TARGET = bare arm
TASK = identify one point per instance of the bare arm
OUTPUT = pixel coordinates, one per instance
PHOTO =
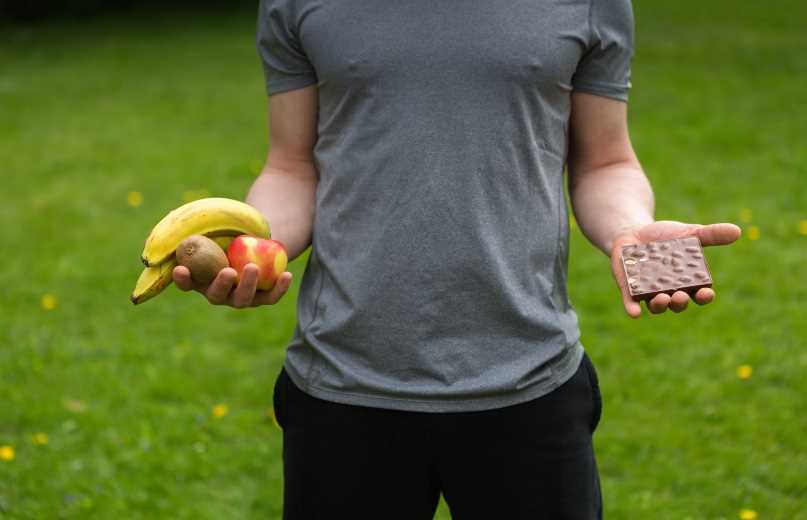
(613, 201)
(283, 192)
(609, 190)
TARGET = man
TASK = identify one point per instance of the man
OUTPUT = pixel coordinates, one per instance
(419, 148)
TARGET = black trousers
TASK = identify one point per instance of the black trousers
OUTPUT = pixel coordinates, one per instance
(528, 461)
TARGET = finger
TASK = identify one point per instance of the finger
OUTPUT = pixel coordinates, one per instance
(182, 278)
(659, 303)
(273, 296)
(633, 308)
(679, 301)
(245, 291)
(718, 234)
(220, 288)
(704, 296)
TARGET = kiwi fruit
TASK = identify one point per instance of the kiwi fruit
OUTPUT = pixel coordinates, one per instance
(203, 257)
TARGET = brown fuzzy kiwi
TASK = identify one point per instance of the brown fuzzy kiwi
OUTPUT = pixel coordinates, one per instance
(203, 257)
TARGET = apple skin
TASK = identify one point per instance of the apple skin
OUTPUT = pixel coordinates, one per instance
(269, 255)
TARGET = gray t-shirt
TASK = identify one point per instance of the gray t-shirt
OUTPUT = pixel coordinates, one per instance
(437, 276)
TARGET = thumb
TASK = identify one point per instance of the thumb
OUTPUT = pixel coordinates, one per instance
(632, 308)
(182, 278)
(718, 234)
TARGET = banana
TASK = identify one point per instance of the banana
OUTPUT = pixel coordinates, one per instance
(224, 241)
(214, 216)
(152, 281)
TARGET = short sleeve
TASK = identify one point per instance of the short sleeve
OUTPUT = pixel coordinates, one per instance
(285, 64)
(605, 68)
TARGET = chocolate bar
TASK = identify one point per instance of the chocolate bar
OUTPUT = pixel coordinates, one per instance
(665, 266)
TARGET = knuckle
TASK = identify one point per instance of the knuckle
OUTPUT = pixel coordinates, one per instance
(213, 299)
(270, 299)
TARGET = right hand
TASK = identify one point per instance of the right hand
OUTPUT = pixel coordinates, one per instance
(245, 294)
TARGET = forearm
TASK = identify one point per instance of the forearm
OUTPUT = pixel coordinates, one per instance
(286, 196)
(609, 200)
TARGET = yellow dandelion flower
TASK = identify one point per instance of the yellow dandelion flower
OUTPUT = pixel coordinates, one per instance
(271, 413)
(745, 215)
(744, 371)
(40, 439)
(572, 224)
(748, 514)
(753, 233)
(803, 227)
(134, 198)
(220, 410)
(7, 453)
(48, 302)
(191, 195)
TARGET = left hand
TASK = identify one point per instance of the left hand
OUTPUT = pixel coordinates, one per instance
(709, 235)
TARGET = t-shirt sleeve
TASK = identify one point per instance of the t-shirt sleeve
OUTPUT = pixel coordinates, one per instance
(605, 68)
(285, 64)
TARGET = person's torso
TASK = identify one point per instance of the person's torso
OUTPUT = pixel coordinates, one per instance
(438, 267)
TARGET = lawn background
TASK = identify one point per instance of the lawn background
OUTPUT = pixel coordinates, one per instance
(164, 411)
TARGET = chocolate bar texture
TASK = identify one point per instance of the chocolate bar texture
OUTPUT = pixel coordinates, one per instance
(665, 266)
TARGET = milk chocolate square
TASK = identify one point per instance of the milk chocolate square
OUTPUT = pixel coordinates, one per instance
(665, 266)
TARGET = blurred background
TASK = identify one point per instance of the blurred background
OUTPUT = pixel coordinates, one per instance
(113, 113)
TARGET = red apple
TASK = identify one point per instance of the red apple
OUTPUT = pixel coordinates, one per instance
(269, 255)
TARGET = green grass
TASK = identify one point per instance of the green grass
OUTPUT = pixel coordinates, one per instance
(165, 105)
